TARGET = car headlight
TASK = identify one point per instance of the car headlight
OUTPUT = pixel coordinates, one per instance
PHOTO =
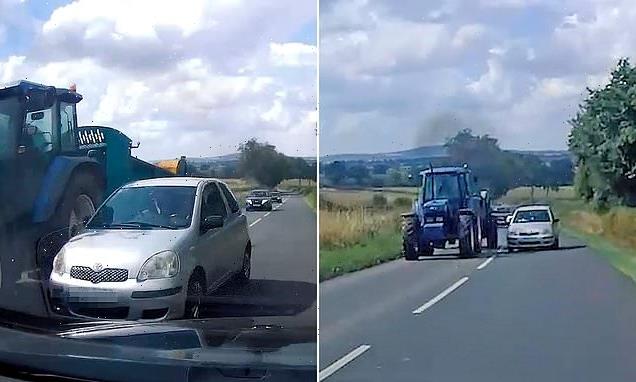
(546, 231)
(59, 265)
(159, 266)
(249, 201)
(439, 219)
(513, 232)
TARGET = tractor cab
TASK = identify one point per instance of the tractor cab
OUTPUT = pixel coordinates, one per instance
(37, 123)
(37, 119)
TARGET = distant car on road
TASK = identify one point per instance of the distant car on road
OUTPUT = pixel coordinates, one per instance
(258, 200)
(277, 197)
(533, 227)
(151, 249)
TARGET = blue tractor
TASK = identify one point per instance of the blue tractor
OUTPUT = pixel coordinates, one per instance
(448, 209)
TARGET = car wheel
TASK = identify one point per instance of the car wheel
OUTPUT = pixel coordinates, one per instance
(196, 289)
(243, 277)
(556, 243)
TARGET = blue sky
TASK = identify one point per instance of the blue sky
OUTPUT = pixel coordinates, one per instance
(194, 80)
(399, 74)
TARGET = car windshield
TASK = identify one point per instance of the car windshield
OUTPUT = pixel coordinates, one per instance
(155, 207)
(441, 186)
(9, 122)
(259, 194)
(532, 216)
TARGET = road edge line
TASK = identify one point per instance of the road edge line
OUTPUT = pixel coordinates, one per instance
(342, 362)
(440, 296)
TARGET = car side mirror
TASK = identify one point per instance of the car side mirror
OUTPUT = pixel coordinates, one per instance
(508, 219)
(557, 220)
(211, 222)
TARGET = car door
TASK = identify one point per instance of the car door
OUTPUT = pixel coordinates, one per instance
(237, 227)
(213, 244)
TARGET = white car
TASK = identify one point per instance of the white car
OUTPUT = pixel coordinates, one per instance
(533, 227)
(151, 250)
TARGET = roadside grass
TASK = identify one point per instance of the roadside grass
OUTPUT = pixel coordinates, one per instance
(359, 229)
(611, 233)
(311, 197)
(367, 253)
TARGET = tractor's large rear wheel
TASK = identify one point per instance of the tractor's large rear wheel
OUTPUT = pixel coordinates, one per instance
(83, 194)
(468, 241)
(409, 238)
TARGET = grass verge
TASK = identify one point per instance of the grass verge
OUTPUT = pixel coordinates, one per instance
(311, 198)
(367, 253)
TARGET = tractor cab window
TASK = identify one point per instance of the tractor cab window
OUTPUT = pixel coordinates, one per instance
(441, 186)
(9, 122)
(40, 124)
(67, 126)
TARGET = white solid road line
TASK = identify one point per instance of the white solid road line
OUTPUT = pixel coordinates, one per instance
(255, 221)
(485, 263)
(339, 364)
(267, 214)
(440, 296)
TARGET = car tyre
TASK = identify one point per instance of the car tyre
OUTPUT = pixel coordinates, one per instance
(556, 243)
(196, 290)
(243, 276)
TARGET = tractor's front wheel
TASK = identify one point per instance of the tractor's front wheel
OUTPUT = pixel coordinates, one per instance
(409, 238)
(83, 194)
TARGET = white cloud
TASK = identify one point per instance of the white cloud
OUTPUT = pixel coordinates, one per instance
(184, 80)
(515, 69)
(292, 54)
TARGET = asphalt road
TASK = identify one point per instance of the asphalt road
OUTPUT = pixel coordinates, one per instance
(283, 280)
(563, 315)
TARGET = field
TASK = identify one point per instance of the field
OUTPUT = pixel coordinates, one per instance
(611, 233)
(360, 228)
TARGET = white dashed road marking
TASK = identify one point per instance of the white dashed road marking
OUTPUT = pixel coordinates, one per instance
(485, 263)
(339, 364)
(266, 215)
(440, 296)
(256, 221)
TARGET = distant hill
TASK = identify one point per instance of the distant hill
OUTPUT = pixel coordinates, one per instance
(430, 152)
(225, 159)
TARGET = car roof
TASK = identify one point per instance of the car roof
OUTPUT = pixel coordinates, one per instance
(170, 181)
(535, 207)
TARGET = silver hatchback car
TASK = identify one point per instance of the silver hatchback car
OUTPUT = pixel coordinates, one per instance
(152, 248)
(533, 226)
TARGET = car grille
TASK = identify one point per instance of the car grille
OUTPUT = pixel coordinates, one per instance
(105, 275)
(528, 233)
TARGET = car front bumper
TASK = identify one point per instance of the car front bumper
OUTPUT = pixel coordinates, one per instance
(263, 206)
(130, 299)
(535, 241)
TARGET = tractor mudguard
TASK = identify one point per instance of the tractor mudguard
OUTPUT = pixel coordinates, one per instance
(54, 183)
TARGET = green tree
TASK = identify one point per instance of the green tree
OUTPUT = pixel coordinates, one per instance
(603, 139)
(263, 163)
